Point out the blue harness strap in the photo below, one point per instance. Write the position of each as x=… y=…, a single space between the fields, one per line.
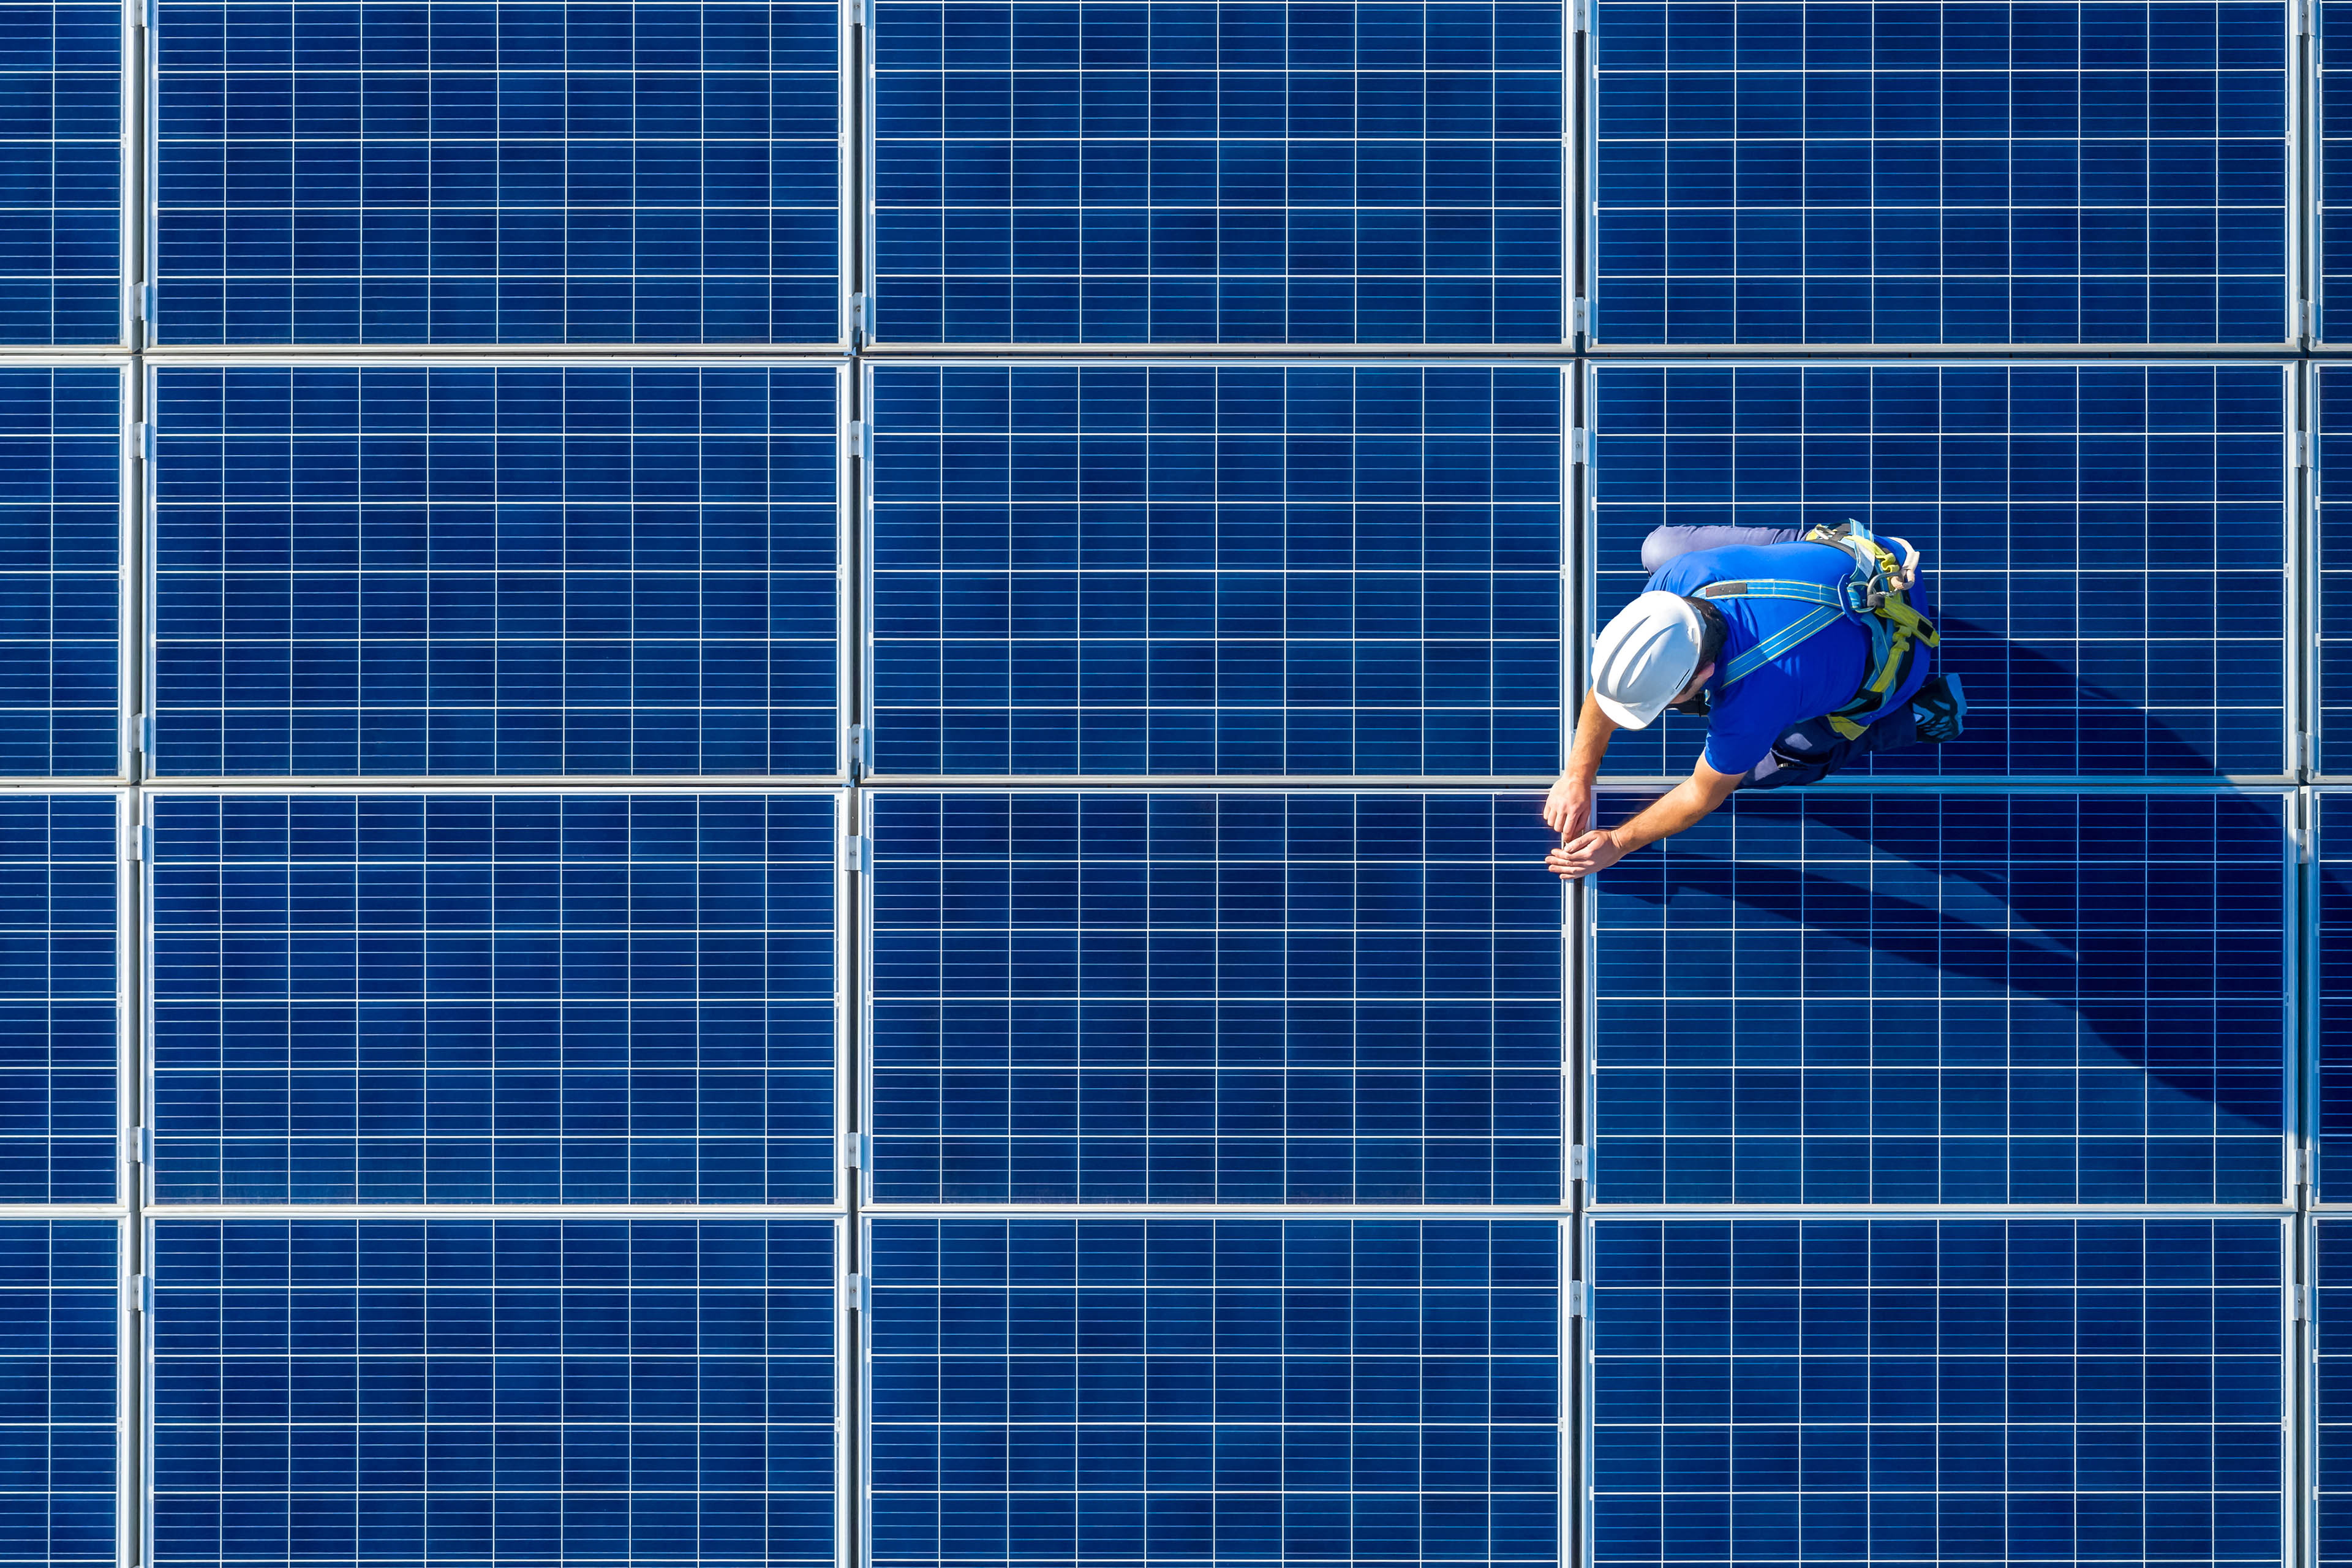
x=1829 y=609
x=1872 y=596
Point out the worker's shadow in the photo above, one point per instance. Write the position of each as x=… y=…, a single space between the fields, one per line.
x=1959 y=929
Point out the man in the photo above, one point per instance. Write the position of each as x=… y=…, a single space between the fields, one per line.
x=1804 y=652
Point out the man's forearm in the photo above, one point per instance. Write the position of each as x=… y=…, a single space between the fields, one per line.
x=1681 y=806
x=1590 y=744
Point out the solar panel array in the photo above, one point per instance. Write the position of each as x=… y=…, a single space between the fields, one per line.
x=380 y=172
x=1837 y=173
x=2107 y=540
x=61 y=995
x=1985 y=1390
x=1363 y=172
x=1232 y=998
x=1189 y=569
x=409 y=1391
x=1979 y=998
x=770 y=786
x=60 y=571
x=391 y=572
x=1244 y=1390
x=405 y=998
x=60 y=1363
x=61 y=123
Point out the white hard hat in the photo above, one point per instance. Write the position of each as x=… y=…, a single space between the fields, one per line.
x=1645 y=657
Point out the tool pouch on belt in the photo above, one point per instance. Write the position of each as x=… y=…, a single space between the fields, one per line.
x=1874 y=595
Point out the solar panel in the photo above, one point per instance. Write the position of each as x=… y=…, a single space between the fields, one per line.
x=1931 y=174
x=60 y=1303
x=404 y=1390
x=383 y=172
x=61 y=203
x=60 y=548
x=401 y=571
x=1226 y=172
x=404 y=998
x=2329 y=190
x=2332 y=498
x=1100 y=1390
x=1190 y=569
x=1961 y=998
x=1981 y=1390
x=1237 y=998
x=59 y=997
x=2104 y=543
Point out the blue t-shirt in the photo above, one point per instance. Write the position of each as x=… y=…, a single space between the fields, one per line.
x=1817 y=676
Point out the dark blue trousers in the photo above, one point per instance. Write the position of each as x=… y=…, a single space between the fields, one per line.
x=1807 y=752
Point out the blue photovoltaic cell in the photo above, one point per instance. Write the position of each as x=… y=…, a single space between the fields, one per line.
x=400 y=1392
x=1972 y=1391
x=1229 y=1391
x=2103 y=545
x=401 y=998
x=386 y=171
x=1923 y=174
x=61 y=196
x=1195 y=569
x=405 y=571
x=1237 y=998
x=1968 y=998
x=1129 y=171
x=58 y=1001
x=60 y=1302
x=60 y=548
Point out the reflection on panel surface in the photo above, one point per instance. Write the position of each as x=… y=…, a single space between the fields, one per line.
x=61 y=203
x=378 y=172
x=1230 y=1390
x=2102 y=545
x=514 y=1391
x=60 y=549
x=1975 y=998
x=1238 y=998
x=1980 y=1390
x=389 y=998
x=2332 y=992
x=1921 y=174
x=59 y=1302
x=1125 y=171
x=59 y=998
x=400 y=571
x=1194 y=569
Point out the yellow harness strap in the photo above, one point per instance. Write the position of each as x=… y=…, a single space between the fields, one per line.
x=1895 y=626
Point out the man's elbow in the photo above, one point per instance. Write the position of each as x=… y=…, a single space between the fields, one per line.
x=1711 y=787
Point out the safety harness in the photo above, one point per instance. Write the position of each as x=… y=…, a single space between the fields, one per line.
x=1873 y=594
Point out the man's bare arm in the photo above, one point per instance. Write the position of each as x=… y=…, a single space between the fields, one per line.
x=1569 y=807
x=1681 y=806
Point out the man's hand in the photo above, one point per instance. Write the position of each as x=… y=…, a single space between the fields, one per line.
x=1569 y=808
x=1679 y=808
x=1586 y=853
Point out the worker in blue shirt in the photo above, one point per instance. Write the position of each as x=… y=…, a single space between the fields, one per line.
x=1803 y=651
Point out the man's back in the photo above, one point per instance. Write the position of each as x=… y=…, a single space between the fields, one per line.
x=1817 y=676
